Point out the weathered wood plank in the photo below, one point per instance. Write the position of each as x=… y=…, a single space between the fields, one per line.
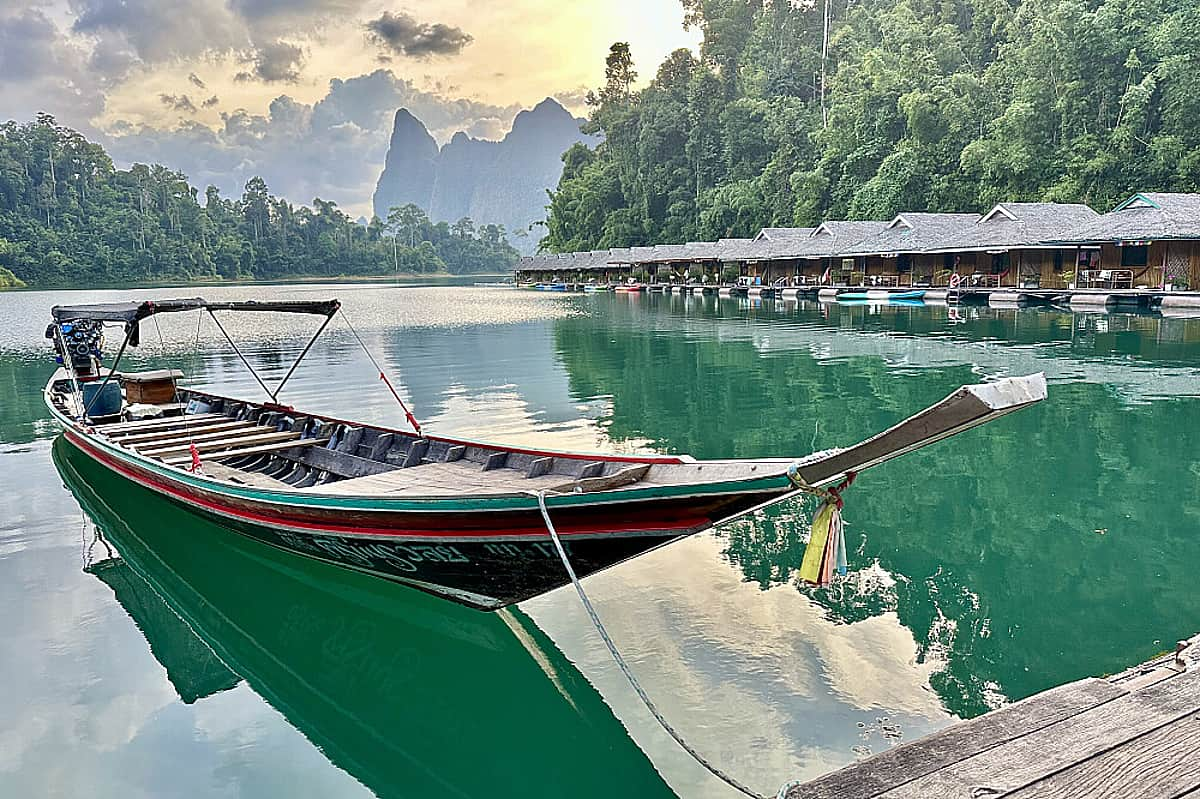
x=495 y=461
x=182 y=438
x=232 y=475
x=234 y=453
x=1058 y=746
x=225 y=442
x=150 y=424
x=342 y=463
x=623 y=477
x=924 y=756
x=1160 y=763
x=194 y=429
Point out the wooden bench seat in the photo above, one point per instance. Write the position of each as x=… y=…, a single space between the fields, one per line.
x=145 y=425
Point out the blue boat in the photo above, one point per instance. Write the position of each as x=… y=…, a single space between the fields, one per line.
x=879 y=296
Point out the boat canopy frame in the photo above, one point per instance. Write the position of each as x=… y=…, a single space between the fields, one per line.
x=132 y=313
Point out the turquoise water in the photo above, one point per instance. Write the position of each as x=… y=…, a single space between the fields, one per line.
x=148 y=653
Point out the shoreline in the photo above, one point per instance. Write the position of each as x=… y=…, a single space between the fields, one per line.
x=404 y=278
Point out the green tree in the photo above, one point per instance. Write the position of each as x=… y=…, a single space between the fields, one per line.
x=67 y=217
x=796 y=112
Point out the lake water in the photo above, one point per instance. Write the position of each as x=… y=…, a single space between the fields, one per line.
x=147 y=653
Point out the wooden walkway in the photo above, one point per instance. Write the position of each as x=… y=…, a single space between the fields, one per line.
x=1132 y=736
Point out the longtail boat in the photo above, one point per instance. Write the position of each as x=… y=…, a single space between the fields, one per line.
x=384 y=681
x=454 y=517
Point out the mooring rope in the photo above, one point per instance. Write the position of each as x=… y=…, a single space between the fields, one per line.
x=412 y=420
x=612 y=649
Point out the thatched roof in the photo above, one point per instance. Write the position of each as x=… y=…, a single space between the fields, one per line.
x=779 y=242
x=782 y=234
x=913 y=233
x=1014 y=225
x=738 y=249
x=618 y=255
x=834 y=237
x=698 y=251
x=1148 y=216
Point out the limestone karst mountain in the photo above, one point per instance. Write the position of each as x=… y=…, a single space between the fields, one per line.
x=492 y=182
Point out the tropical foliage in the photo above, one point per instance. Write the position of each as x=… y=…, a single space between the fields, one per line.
x=69 y=217
x=799 y=111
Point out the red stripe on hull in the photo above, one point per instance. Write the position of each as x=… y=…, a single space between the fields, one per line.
x=481 y=526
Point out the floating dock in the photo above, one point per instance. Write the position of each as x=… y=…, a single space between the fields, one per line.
x=1094 y=300
x=1133 y=735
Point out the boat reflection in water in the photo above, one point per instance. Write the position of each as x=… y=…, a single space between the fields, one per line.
x=412 y=695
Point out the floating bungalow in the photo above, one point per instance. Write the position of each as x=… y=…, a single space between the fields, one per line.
x=1151 y=241
x=899 y=254
x=1011 y=245
x=823 y=258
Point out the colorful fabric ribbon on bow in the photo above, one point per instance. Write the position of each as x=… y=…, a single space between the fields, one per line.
x=826 y=550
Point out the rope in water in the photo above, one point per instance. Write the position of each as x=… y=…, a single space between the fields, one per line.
x=612 y=649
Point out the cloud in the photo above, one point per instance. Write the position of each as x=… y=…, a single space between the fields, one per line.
x=491 y=128
x=157 y=32
x=276 y=62
x=403 y=34
x=41 y=71
x=178 y=102
x=195 y=80
x=292 y=15
x=333 y=148
x=572 y=98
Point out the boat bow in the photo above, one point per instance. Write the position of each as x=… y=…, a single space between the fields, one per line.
x=969 y=406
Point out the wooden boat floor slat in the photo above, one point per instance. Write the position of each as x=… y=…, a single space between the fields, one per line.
x=178 y=460
x=240 y=477
x=456 y=477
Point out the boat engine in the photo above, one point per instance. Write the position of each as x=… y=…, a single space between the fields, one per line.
x=79 y=347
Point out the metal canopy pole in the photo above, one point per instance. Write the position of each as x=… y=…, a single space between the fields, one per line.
x=224 y=332
x=300 y=357
x=111 y=371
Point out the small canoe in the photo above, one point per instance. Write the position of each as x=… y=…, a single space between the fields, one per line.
x=455 y=517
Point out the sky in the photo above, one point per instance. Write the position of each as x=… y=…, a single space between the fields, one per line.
x=302 y=92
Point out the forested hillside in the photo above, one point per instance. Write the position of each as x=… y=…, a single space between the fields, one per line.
x=856 y=109
x=68 y=217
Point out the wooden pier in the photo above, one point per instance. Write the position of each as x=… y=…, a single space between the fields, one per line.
x=1132 y=736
